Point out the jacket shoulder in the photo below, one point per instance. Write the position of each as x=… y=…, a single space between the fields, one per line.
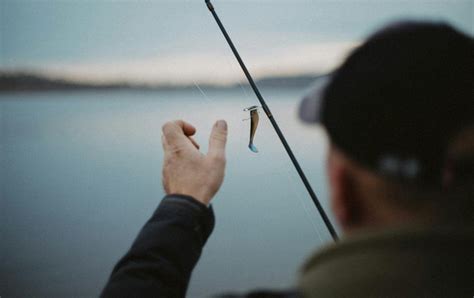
x=264 y=294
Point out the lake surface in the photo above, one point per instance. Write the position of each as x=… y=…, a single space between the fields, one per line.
x=81 y=173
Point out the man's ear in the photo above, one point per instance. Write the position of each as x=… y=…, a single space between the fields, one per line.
x=343 y=195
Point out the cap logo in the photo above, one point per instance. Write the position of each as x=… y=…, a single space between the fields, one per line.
x=395 y=166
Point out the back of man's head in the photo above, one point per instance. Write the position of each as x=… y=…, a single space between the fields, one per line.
x=401 y=107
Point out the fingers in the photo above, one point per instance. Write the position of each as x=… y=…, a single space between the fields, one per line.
x=176 y=135
x=164 y=143
x=218 y=139
x=187 y=128
x=194 y=142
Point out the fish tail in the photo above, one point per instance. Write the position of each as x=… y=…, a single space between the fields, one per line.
x=253 y=148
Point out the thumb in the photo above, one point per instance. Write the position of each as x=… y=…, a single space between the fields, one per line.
x=218 y=139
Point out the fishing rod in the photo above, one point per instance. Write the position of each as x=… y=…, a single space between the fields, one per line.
x=267 y=111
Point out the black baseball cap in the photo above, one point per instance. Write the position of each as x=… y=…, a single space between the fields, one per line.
x=399 y=99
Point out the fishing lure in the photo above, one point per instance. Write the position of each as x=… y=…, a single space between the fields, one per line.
x=253 y=126
x=266 y=109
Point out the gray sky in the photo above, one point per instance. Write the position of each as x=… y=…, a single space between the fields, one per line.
x=178 y=41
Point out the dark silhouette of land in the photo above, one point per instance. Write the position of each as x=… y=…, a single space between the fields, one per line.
x=15 y=82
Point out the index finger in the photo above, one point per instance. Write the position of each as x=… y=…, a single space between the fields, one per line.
x=188 y=129
x=176 y=133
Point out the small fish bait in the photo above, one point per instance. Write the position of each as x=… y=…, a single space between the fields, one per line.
x=253 y=126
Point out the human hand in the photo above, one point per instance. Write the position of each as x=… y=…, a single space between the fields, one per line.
x=186 y=170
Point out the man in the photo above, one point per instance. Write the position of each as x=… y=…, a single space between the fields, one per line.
x=399 y=114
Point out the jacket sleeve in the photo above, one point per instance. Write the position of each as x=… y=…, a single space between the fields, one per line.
x=160 y=261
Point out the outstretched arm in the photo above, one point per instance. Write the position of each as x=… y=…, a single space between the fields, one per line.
x=160 y=261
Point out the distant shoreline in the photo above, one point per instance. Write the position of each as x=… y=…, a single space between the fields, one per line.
x=20 y=82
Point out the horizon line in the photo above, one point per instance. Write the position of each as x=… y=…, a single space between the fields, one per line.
x=214 y=68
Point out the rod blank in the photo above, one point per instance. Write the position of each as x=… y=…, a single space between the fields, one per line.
x=267 y=111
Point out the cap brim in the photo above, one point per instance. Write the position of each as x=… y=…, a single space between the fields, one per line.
x=310 y=110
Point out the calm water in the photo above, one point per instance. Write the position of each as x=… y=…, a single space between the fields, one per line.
x=81 y=173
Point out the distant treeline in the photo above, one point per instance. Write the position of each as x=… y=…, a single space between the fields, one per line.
x=11 y=82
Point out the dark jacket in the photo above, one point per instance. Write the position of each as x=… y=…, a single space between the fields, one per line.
x=435 y=261
x=160 y=261
x=400 y=263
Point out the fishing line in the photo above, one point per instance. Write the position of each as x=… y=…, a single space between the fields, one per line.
x=202 y=92
x=232 y=66
x=207 y=97
x=242 y=132
x=267 y=111
x=303 y=202
x=211 y=102
x=307 y=212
